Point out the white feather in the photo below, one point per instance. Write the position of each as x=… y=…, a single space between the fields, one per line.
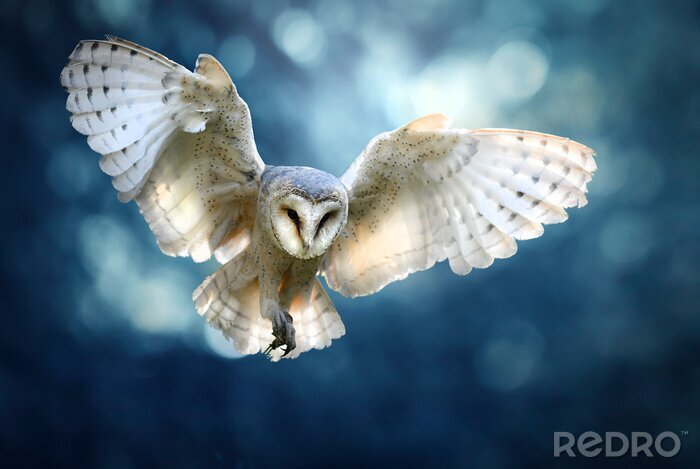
x=480 y=189
x=230 y=302
x=137 y=108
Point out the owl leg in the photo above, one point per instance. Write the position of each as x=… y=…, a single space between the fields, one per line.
x=275 y=310
x=282 y=329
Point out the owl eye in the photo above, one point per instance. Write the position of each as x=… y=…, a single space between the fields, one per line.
x=293 y=215
x=323 y=220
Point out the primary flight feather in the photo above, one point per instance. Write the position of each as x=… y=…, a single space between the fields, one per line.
x=181 y=145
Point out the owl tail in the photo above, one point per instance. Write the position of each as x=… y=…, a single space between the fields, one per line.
x=316 y=321
x=230 y=302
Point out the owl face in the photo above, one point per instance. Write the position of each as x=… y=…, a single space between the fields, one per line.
x=305 y=227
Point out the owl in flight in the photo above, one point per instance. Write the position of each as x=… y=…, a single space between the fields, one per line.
x=181 y=145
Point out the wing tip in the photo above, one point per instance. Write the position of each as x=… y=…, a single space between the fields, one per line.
x=207 y=65
x=437 y=121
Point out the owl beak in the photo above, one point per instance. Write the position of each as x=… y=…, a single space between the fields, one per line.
x=307 y=236
x=306 y=242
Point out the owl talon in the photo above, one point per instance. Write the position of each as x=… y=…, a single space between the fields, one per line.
x=283 y=331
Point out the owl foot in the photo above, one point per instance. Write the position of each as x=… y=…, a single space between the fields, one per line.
x=283 y=331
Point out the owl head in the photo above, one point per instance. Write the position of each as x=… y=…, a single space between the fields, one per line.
x=307 y=209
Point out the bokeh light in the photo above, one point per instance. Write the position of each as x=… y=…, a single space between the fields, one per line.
x=518 y=69
x=507 y=360
x=219 y=344
x=298 y=34
x=237 y=54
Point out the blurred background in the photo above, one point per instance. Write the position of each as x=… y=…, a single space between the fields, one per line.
x=594 y=326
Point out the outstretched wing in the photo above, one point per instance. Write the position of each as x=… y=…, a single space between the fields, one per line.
x=179 y=143
x=425 y=193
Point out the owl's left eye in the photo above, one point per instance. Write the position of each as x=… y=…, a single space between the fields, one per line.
x=322 y=222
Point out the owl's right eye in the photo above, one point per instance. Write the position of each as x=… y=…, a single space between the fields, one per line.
x=293 y=215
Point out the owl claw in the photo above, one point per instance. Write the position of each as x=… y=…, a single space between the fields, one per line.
x=288 y=349
x=283 y=331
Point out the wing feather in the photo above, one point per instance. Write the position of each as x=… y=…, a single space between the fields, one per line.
x=425 y=193
x=178 y=142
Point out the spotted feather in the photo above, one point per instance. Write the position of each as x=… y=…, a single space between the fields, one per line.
x=178 y=142
x=425 y=193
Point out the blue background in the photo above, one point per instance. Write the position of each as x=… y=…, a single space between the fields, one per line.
x=594 y=326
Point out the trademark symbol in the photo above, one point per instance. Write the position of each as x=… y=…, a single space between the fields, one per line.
x=684 y=432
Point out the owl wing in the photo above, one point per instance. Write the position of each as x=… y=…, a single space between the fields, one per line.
x=179 y=143
x=425 y=193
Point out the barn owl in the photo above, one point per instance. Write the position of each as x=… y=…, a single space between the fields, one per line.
x=181 y=145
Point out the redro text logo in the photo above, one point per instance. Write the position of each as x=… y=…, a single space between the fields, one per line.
x=616 y=444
